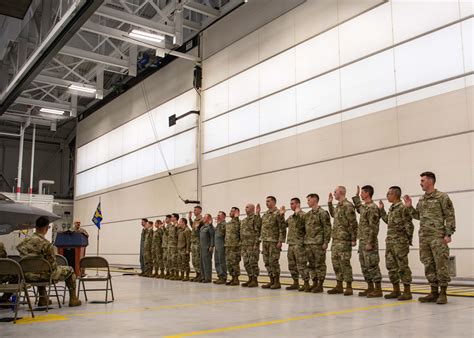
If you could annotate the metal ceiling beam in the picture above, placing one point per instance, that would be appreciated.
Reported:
(55, 81)
(45, 104)
(202, 9)
(135, 20)
(94, 57)
(56, 39)
(113, 33)
(191, 25)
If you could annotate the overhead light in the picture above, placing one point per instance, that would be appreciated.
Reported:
(52, 111)
(146, 36)
(82, 88)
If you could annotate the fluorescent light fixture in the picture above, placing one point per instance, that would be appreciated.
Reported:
(82, 88)
(135, 33)
(52, 111)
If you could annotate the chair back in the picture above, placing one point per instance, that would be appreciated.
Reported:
(92, 262)
(16, 258)
(61, 260)
(9, 267)
(35, 265)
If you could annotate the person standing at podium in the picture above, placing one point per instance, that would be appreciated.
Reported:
(79, 230)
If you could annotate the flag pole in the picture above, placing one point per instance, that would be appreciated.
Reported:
(98, 240)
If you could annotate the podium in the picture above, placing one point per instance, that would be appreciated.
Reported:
(72, 245)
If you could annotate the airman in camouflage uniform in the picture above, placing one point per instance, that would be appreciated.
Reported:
(435, 211)
(184, 249)
(158, 250)
(38, 245)
(3, 251)
(369, 223)
(296, 254)
(164, 245)
(250, 230)
(232, 246)
(173, 256)
(196, 225)
(144, 222)
(273, 235)
(316, 241)
(148, 250)
(219, 250)
(399, 238)
(344, 237)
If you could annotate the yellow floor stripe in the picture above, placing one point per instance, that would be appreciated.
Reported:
(286, 320)
(41, 319)
(185, 305)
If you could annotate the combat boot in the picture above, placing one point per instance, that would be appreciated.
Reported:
(174, 275)
(235, 281)
(319, 287)
(197, 279)
(186, 278)
(443, 297)
(377, 292)
(269, 284)
(294, 286)
(370, 288)
(306, 286)
(406, 293)
(337, 289)
(348, 291)
(276, 283)
(220, 281)
(253, 282)
(395, 293)
(228, 283)
(246, 284)
(431, 297)
(162, 274)
(167, 275)
(43, 299)
(73, 299)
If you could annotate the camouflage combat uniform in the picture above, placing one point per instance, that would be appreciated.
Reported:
(344, 231)
(147, 251)
(158, 250)
(369, 223)
(38, 245)
(184, 249)
(273, 232)
(317, 233)
(196, 225)
(436, 214)
(173, 259)
(3, 251)
(296, 252)
(232, 246)
(399, 238)
(164, 246)
(250, 229)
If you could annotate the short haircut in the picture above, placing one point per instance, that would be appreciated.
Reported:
(42, 222)
(368, 189)
(296, 199)
(342, 188)
(235, 208)
(168, 216)
(313, 195)
(222, 212)
(273, 198)
(159, 221)
(185, 221)
(145, 219)
(397, 190)
(175, 215)
(150, 222)
(198, 206)
(429, 174)
(208, 215)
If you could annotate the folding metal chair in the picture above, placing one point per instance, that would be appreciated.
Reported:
(39, 265)
(62, 261)
(95, 262)
(16, 284)
(16, 258)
